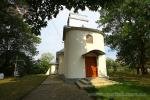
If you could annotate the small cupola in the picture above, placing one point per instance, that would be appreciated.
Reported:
(77, 20)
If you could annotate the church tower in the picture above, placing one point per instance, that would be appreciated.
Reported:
(83, 49)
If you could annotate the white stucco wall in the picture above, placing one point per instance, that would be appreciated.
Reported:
(77, 20)
(61, 64)
(75, 46)
(52, 70)
(74, 22)
(102, 71)
(48, 71)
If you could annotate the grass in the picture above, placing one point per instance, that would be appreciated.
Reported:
(132, 87)
(121, 92)
(16, 88)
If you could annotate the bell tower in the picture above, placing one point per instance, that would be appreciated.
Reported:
(77, 20)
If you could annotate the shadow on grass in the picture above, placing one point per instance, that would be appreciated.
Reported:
(16, 88)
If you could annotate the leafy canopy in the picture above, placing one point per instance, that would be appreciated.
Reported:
(47, 57)
(128, 28)
(16, 38)
(45, 62)
(37, 12)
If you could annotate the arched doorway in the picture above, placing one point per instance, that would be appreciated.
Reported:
(91, 67)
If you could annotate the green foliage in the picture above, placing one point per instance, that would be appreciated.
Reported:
(129, 33)
(45, 61)
(46, 57)
(112, 64)
(16, 38)
(37, 12)
(42, 65)
(36, 68)
(121, 92)
(131, 88)
(40, 11)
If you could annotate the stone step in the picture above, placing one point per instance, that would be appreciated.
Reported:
(84, 81)
(83, 86)
(100, 80)
(94, 82)
(102, 84)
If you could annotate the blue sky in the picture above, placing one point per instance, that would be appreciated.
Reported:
(52, 35)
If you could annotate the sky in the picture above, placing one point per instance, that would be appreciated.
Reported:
(51, 36)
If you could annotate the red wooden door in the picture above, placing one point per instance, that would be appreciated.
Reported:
(91, 66)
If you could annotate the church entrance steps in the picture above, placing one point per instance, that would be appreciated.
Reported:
(94, 82)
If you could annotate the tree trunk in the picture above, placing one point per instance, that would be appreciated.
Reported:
(142, 57)
(138, 70)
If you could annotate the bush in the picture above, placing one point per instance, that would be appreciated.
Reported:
(112, 64)
(39, 67)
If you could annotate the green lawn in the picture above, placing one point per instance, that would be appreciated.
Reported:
(131, 88)
(16, 88)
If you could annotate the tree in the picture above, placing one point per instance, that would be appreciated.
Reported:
(128, 26)
(37, 12)
(110, 63)
(41, 10)
(44, 62)
(16, 39)
(47, 57)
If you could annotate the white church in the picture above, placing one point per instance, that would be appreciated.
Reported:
(83, 55)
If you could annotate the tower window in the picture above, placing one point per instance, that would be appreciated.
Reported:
(89, 38)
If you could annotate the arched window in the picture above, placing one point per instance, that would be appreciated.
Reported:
(89, 38)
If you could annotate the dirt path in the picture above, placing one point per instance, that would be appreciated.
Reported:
(54, 88)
